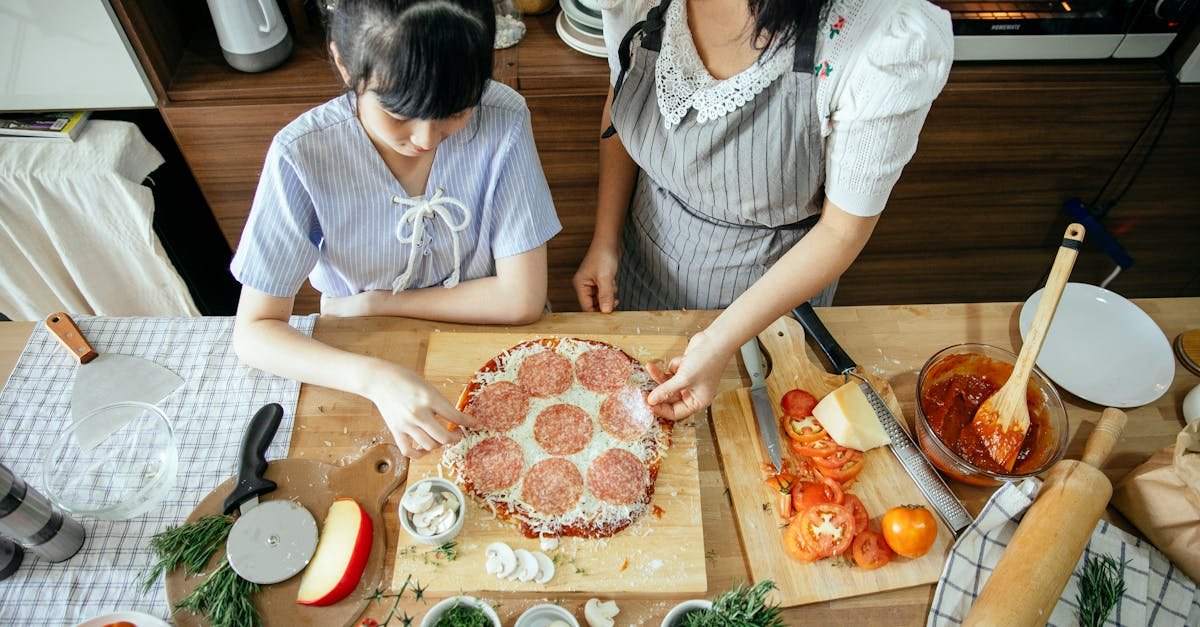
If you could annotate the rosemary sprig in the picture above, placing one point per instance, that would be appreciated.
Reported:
(190, 546)
(223, 598)
(742, 606)
(1101, 585)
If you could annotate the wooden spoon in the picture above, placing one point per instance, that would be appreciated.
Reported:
(1003, 419)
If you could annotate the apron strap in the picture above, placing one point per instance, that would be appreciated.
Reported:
(652, 28)
(806, 40)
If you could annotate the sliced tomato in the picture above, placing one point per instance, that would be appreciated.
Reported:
(827, 528)
(870, 550)
(805, 494)
(838, 457)
(798, 403)
(818, 448)
(856, 507)
(794, 545)
(805, 471)
(803, 429)
(781, 482)
(843, 473)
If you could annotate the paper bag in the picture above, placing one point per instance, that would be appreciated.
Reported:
(1162, 498)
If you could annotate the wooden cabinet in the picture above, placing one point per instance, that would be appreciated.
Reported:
(975, 217)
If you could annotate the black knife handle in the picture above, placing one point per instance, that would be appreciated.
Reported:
(252, 461)
(815, 329)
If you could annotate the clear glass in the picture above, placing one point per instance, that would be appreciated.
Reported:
(510, 27)
(127, 473)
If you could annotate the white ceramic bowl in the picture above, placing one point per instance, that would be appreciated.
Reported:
(435, 612)
(542, 615)
(674, 618)
(439, 485)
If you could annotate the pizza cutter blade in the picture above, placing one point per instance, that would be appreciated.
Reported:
(272, 541)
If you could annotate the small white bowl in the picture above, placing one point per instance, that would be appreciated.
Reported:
(435, 612)
(542, 615)
(438, 485)
(675, 616)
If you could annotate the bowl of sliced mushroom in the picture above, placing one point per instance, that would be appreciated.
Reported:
(431, 510)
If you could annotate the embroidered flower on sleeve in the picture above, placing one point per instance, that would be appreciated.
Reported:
(823, 70)
(835, 28)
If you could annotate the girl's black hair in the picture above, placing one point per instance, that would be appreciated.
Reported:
(782, 21)
(423, 59)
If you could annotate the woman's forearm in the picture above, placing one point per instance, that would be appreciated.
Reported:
(618, 173)
(480, 301)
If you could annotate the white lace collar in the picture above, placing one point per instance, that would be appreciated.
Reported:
(683, 83)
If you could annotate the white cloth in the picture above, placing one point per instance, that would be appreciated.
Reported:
(76, 228)
(1156, 593)
(881, 64)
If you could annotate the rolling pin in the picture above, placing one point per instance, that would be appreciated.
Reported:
(1025, 585)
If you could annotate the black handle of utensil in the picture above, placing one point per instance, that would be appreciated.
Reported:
(815, 329)
(252, 463)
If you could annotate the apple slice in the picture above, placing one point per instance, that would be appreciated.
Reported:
(341, 555)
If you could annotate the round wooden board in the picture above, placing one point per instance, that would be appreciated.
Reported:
(368, 480)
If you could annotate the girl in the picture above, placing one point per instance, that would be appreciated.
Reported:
(753, 145)
(417, 193)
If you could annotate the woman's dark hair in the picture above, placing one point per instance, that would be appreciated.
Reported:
(782, 21)
(423, 59)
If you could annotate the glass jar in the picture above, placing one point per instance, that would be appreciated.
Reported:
(510, 28)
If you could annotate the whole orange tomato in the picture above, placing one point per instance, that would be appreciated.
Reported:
(909, 530)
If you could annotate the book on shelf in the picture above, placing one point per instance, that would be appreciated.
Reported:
(61, 125)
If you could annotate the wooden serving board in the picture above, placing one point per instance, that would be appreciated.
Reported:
(659, 555)
(882, 484)
(368, 480)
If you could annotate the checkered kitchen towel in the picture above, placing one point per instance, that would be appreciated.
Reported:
(209, 413)
(1156, 593)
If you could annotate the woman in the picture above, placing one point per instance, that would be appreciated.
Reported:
(750, 148)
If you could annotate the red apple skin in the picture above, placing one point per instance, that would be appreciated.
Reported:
(354, 568)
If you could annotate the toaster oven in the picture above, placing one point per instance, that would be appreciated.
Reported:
(1065, 29)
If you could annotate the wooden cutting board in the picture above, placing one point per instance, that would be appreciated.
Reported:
(368, 480)
(659, 555)
(881, 485)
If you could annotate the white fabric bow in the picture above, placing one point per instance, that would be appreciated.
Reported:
(419, 209)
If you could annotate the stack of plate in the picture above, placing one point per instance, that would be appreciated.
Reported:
(580, 26)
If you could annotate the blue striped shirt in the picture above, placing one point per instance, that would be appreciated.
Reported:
(329, 209)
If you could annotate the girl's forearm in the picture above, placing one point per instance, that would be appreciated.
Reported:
(489, 300)
(618, 173)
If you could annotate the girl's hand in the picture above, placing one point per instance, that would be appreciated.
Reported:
(688, 383)
(596, 280)
(415, 413)
(362, 304)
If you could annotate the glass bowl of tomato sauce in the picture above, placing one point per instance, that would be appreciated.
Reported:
(951, 387)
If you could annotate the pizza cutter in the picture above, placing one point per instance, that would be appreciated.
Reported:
(273, 540)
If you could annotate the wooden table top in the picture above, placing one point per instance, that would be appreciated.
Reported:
(891, 341)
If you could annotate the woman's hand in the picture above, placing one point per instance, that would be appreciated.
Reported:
(688, 383)
(414, 412)
(367, 303)
(596, 280)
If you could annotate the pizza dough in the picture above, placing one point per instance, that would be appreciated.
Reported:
(567, 444)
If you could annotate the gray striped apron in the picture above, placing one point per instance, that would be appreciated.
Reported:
(715, 204)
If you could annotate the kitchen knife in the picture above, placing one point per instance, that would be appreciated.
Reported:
(270, 541)
(903, 447)
(106, 378)
(764, 410)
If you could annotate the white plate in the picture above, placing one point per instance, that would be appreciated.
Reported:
(1103, 348)
(578, 40)
(137, 618)
(578, 17)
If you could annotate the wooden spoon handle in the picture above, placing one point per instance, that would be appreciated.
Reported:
(63, 328)
(1100, 444)
(1055, 284)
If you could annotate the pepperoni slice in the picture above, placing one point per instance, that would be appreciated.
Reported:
(563, 429)
(545, 374)
(603, 369)
(618, 477)
(494, 464)
(552, 486)
(499, 406)
(625, 414)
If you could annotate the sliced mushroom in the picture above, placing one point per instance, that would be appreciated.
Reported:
(418, 499)
(548, 543)
(446, 521)
(545, 567)
(599, 613)
(450, 501)
(527, 567)
(428, 517)
(501, 560)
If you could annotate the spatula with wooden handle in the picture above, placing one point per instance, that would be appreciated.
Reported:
(1003, 419)
(1031, 574)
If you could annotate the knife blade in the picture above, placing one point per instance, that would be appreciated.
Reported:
(928, 481)
(764, 409)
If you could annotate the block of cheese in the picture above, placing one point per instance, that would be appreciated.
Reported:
(848, 418)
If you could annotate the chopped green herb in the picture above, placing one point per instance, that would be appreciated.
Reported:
(742, 606)
(463, 616)
(1101, 585)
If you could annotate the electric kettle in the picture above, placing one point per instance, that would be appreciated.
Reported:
(253, 35)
